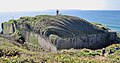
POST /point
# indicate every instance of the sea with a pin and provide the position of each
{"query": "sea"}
(109, 18)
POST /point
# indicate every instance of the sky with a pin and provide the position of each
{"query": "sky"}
(40, 5)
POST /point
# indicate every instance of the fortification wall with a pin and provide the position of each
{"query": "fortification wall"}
(90, 41)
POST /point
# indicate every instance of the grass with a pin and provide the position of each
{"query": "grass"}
(34, 40)
(10, 53)
(100, 26)
(9, 22)
(115, 57)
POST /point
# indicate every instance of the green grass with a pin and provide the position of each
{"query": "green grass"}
(9, 22)
(34, 40)
(100, 26)
(11, 53)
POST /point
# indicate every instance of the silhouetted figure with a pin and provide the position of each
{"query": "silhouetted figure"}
(103, 51)
(57, 12)
(110, 51)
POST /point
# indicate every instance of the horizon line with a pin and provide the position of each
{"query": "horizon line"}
(64, 9)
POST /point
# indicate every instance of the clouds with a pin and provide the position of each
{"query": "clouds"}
(36, 5)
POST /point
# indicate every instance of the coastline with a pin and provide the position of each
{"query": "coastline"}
(103, 17)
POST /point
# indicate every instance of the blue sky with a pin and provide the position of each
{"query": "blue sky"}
(39, 5)
(113, 4)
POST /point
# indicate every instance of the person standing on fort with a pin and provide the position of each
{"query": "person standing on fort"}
(57, 12)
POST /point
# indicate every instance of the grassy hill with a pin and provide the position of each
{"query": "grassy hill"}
(25, 40)
(63, 27)
(70, 26)
(12, 53)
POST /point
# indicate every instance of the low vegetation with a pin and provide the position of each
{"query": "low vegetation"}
(11, 53)
(100, 26)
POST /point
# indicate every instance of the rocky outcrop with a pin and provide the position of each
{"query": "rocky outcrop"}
(58, 32)
(38, 40)
(8, 28)
(93, 41)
